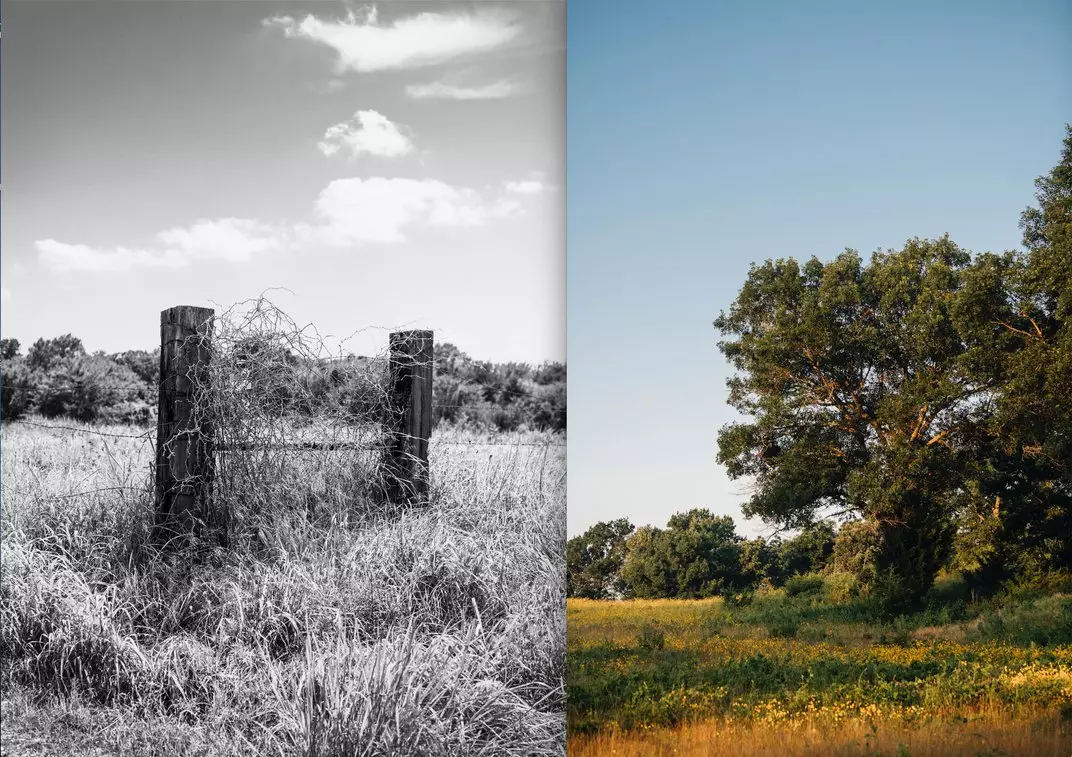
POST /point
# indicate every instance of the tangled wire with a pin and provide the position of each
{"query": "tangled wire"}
(269, 423)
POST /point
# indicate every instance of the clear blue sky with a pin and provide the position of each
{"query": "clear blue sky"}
(703, 136)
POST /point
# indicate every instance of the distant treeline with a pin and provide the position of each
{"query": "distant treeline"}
(701, 555)
(57, 378)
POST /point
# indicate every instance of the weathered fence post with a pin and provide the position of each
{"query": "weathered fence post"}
(410, 370)
(185, 458)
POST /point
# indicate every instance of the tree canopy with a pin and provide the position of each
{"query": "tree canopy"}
(909, 387)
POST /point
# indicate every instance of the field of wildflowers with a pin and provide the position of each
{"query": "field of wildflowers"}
(697, 677)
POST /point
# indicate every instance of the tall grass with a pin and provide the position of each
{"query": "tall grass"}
(357, 631)
(803, 675)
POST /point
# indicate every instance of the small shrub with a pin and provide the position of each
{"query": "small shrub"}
(1046, 622)
(651, 637)
(807, 584)
(840, 588)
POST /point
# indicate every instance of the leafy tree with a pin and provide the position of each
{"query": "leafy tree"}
(89, 388)
(698, 555)
(16, 386)
(807, 552)
(760, 562)
(9, 349)
(1017, 504)
(859, 381)
(857, 549)
(144, 363)
(47, 352)
(594, 559)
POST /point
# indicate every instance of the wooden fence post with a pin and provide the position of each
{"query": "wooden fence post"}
(185, 458)
(410, 369)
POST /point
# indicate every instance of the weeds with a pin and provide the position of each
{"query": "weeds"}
(438, 631)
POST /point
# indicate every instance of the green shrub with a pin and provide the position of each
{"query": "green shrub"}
(840, 588)
(1046, 622)
(807, 584)
(651, 637)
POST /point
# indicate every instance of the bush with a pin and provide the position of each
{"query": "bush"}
(840, 588)
(804, 585)
(16, 386)
(89, 388)
(1046, 621)
(856, 550)
(651, 637)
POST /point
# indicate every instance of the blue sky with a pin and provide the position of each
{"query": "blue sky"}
(704, 136)
(398, 164)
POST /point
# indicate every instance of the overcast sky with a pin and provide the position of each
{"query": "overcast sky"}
(705, 136)
(392, 165)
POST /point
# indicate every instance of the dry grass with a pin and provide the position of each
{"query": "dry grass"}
(687, 677)
(1039, 735)
(435, 631)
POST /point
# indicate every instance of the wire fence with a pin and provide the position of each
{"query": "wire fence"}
(149, 433)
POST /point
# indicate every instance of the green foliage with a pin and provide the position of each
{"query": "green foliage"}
(651, 637)
(1045, 621)
(855, 378)
(926, 391)
(697, 555)
(594, 559)
(805, 584)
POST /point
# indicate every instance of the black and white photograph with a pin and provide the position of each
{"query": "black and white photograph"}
(283, 378)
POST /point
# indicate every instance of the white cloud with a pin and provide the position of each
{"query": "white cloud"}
(526, 187)
(368, 132)
(64, 258)
(364, 45)
(233, 239)
(5, 294)
(361, 211)
(347, 213)
(443, 91)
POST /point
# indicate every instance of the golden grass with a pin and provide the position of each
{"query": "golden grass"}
(844, 688)
(996, 733)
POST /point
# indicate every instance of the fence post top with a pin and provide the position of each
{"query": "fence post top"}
(186, 314)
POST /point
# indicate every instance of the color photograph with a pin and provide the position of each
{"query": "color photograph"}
(820, 287)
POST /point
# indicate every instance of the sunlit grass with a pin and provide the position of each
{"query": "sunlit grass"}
(700, 677)
(434, 631)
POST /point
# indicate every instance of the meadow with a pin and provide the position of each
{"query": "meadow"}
(804, 675)
(340, 631)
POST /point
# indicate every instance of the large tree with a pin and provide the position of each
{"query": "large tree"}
(860, 383)
(594, 559)
(1018, 503)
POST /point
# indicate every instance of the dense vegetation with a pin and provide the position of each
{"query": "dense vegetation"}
(333, 626)
(812, 673)
(925, 394)
(58, 378)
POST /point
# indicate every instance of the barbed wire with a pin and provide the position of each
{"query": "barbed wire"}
(95, 432)
(221, 448)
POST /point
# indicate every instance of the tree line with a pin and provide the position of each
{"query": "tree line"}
(925, 393)
(58, 378)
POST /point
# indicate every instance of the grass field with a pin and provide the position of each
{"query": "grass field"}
(438, 631)
(800, 676)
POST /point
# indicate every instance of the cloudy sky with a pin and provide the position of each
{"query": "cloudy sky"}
(391, 165)
(710, 135)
